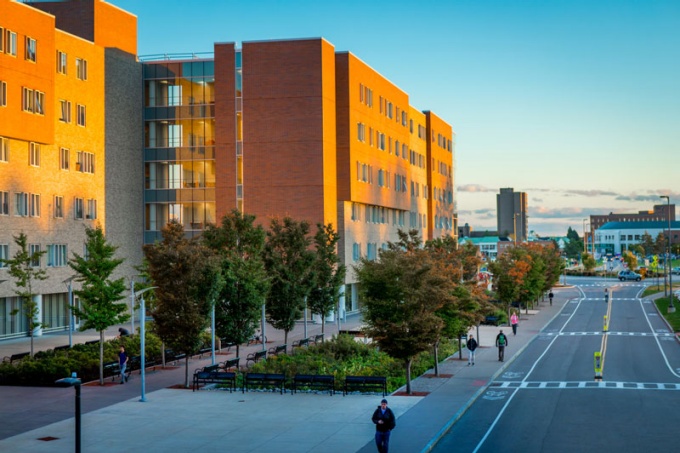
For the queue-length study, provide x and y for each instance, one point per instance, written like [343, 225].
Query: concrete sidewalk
[182, 420]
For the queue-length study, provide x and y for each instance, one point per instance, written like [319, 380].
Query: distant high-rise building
[511, 212]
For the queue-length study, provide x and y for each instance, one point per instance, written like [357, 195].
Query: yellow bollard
[606, 324]
[598, 365]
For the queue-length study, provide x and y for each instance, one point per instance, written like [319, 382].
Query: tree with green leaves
[188, 280]
[289, 262]
[99, 295]
[239, 245]
[328, 274]
[25, 272]
[589, 262]
[554, 265]
[401, 293]
[630, 260]
[647, 243]
[574, 247]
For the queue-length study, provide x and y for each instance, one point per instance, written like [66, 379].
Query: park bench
[111, 369]
[231, 363]
[16, 357]
[316, 339]
[365, 383]
[300, 343]
[226, 345]
[264, 379]
[170, 356]
[256, 356]
[205, 350]
[256, 339]
[212, 375]
[314, 381]
[276, 350]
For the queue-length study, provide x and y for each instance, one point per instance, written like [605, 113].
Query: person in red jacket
[385, 421]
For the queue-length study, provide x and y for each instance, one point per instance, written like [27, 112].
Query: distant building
[617, 237]
[658, 214]
[489, 246]
[511, 212]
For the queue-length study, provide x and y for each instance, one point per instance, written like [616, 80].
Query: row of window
[28, 205]
[62, 65]
[85, 162]
[8, 45]
[56, 255]
[384, 143]
[65, 113]
[365, 174]
[33, 101]
[443, 142]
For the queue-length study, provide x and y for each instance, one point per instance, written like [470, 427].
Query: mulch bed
[179, 387]
[412, 393]
[441, 375]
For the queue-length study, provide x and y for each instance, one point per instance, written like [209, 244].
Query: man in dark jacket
[384, 420]
[471, 346]
[501, 343]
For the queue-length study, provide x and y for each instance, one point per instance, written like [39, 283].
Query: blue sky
[576, 103]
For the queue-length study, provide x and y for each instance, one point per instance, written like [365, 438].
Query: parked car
[629, 275]
[675, 271]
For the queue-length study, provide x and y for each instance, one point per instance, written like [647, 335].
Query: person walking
[501, 343]
[122, 361]
[385, 421]
[514, 320]
[550, 296]
[471, 346]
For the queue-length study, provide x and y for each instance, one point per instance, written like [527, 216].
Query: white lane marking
[656, 338]
[512, 395]
[531, 385]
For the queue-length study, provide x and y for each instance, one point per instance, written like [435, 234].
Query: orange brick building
[53, 140]
[294, 128]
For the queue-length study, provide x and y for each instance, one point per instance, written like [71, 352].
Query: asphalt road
[547, 400]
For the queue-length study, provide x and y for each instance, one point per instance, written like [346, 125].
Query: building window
[34, 205]
[39, 103]
[4, 254]
[4, 149]
[81, 69]
[2, 40]
[21, 204]
[78, 209]
[34, 252]
[58, 207]
[356, 212]
[81, 114]
[91, 209]
[85, 162]
[361, 132]
[371, 251]
[56, 255]
[31, 49]
[356, 251]
[11, 43]
[34, 154]
[61, 62]
[65, 114]
[4, 203]
[64, 159]
[3, 94]
[28, 99]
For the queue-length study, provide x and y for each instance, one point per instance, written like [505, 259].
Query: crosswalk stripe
[586, 385]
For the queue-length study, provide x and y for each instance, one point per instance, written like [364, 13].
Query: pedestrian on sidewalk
[471, 346]
[122, 361]
[514, 320]
[501, 343]
[384, 420]
[550, 296]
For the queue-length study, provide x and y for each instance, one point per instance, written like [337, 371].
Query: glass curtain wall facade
[179, 148]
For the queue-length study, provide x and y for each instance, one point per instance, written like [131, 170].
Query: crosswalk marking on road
[586, 385]
[663, 333]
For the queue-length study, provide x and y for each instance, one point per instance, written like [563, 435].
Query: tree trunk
[436, 358]
[285, 336]
[238, 350]
[323, 323]
[460, 348]
[101, 357]
[408, 376]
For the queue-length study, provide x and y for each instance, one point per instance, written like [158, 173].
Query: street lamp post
[671, 307]
[142, 342]
[73, 381]
[69, 284]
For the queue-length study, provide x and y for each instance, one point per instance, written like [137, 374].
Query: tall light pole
[69, 285]
[73, 381]
[671, 307]
[142, 342]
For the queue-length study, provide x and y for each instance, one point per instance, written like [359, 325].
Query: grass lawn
[672, 318]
